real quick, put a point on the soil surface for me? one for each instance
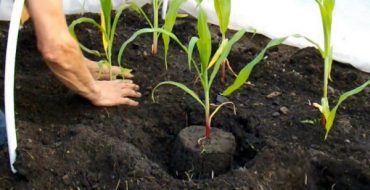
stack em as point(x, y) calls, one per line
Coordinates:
point(67, 143)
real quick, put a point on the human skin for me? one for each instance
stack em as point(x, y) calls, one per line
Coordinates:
point(64, 57)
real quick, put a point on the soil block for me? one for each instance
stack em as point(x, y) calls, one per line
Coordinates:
point(213, 157)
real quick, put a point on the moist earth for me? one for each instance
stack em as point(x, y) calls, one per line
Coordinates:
point(64, 142)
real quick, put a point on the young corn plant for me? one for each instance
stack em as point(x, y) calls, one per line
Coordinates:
point(108, 31)
point(223, 11)
point(165, 31)
point(203, 70)
point(169, 22)
point(156, 4)
point(328, 115)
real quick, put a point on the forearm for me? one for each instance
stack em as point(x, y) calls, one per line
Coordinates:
point(59, 49)
point(68, 64)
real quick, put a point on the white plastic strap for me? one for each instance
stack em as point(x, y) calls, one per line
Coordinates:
point(9, 80)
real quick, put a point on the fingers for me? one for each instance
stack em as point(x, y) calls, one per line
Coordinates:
point(117, 92)
point(129, 89)
point(105, 75)
point(102, 72)
point(126, 81)
point(105, 69)
point(121, 101)
point(128, 75)
point(128, 84)
point(128, 102)
point(131, 93)
point(117, 72)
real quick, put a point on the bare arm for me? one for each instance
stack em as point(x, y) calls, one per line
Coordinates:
point(65, 58)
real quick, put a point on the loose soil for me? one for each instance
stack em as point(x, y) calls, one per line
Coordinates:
point(66, 143)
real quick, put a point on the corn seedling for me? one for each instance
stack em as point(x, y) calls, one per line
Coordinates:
point(204, 46)
point(328, 115)
point(107, 29)
point(156, 4)
point(169, 22)
point(146, 31)
point(165, 31)
point(223, 11)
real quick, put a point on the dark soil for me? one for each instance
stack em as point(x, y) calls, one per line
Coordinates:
point(66, 143)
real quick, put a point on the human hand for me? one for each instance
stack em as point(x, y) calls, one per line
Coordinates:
point(116, 92)
point(101, 72)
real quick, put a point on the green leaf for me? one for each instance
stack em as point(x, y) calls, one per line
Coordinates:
point(116, 19)
point(125, 71)
point(169, 22)
point(81, 20)
point(246, 71)
point(135, 7)
point(100, 65)
point(223, 8)
point(190, 50)
point(326, 10)
point(106, 7)
point(182, 87)
point(218, 52)
point(237, 36)
point(316, 45)
point(114, 27)
point(191, 45)
point(218, 107)
point(342, 98)
point(204, 43)
point(324, 107)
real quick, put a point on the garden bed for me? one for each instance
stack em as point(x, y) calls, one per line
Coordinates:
point(65, 142)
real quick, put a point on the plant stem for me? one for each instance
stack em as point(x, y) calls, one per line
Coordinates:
point(326, 77)
point(208, 129)
point(207, 114)
point(155, 24)
point(109, 59)
point(207, 109)
point(327, 21)
point(223, 66)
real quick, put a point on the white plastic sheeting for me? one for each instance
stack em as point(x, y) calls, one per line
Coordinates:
point(351, 23)
point(81, 6)
point(272, 18)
